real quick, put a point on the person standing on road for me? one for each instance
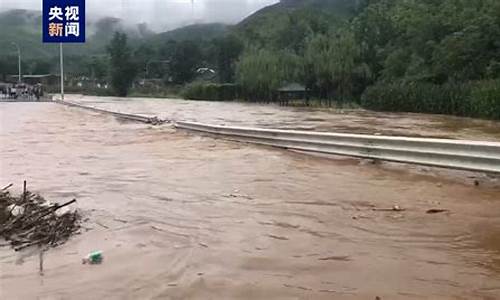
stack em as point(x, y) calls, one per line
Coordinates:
point(36, 92)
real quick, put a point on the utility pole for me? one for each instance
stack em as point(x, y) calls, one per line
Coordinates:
point(18, 61)
point(61, 62)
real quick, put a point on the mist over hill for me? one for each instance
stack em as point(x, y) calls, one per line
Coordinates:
point(160, 15)
point(23, 27)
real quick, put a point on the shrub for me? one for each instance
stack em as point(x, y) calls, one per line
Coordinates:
point(211, 92)
point(473, 99)
point(485, 99)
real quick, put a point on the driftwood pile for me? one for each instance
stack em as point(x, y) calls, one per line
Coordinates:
point(29, 220)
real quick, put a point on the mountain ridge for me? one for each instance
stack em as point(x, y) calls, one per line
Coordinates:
point(23, 27)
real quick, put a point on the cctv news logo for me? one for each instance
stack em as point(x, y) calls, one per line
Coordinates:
point(64, 21)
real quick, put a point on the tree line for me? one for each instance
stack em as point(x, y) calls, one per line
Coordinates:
point(392, 55)
point(434, 56)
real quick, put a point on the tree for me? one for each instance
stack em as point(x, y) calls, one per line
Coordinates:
point(8, 66)
point(122, 68)
point(41, 67)
point(228, 49)
point(261, 72)
point(186, 59)
point(333, 62)
point(144, 55)
point(97, 67)
point(167, 50)
point(374, 30)
point(257, 73)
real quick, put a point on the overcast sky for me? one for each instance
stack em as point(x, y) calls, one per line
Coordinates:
point(161, 14)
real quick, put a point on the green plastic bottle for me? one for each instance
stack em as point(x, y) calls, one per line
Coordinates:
point(93, 258)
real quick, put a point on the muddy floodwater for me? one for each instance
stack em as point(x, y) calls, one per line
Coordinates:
point(300, 118)
point(183, 216)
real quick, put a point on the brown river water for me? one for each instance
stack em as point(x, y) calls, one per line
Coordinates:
point(300, 118)
point(183, 216)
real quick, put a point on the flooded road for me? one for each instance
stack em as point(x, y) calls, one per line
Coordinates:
point(299, 118)
point(181, 216)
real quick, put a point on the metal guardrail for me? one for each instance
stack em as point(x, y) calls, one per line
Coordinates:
point(131, 117)
point(454, 154)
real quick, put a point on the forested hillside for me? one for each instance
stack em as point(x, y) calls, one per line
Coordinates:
point(195, 32)
point(23, 28)
point(402, 55)
point(435, 56)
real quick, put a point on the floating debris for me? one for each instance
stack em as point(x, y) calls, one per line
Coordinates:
point(338, 258)
point(436, 211)
point(29, 220)
point(157, 121)
point(93, 258)
point(394, 208)
point(276, 237)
